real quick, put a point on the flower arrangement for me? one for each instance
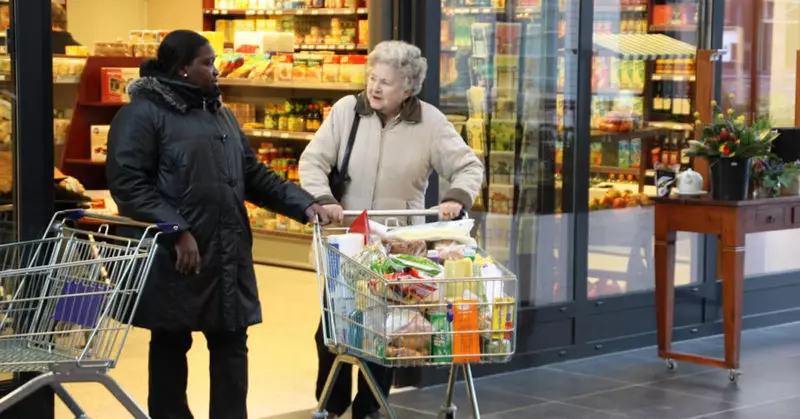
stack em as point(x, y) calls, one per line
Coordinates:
point(729, 136)
point(774, 175)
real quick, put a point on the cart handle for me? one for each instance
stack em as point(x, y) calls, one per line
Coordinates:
point(400, 213)
point(78, 214)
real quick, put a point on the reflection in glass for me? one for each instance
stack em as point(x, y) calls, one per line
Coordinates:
point(508, 85)
point(641, 116)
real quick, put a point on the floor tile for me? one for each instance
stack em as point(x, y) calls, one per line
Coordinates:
point(553, 410)
point(551, 384)
point(751, 388)
point(651, 403)
point(629, 368)
point(491, 399)
point(781, 409)
point(308, 414)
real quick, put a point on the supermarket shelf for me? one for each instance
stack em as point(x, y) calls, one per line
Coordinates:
point(282, 234)
point(673, 77)
point(103, 104)
point(476, 10)
point(67, 80)
point(614, 8)
point(85, 162)
point(640, 133)
point(346, 47)
point(612, 170)
point(285, 12)
point(615, 170)
point(284, 249)
point(301, 85)
point(283, 135)
point(612, 91)
point(674, 28)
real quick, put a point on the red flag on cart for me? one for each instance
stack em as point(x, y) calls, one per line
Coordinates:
point(361, 226)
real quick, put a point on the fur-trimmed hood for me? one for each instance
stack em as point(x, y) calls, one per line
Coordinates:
point(181, 97)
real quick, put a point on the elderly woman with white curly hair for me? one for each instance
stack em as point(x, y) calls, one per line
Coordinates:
point(385, 142)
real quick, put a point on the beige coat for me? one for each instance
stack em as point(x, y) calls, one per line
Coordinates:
point(390, 166)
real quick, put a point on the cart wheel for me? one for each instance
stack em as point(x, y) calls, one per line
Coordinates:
point(319, 415)
point(671, 364)
point(448, 412)
point(733, 375)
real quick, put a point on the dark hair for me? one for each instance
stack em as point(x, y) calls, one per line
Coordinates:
point(179, 49)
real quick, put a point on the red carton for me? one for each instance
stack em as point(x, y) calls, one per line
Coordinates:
point(114, 83)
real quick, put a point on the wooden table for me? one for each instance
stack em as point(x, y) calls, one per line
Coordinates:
point(731, 221)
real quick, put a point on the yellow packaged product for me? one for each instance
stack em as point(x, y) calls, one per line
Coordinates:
point(502, 315)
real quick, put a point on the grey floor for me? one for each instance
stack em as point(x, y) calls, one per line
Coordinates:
point(636, 385)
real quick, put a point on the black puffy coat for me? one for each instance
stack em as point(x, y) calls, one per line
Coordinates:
point(175, 157)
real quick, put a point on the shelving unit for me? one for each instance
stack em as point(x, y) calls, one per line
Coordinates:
point(285, 246)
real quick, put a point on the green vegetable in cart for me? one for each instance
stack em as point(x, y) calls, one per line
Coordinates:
point(419, 263)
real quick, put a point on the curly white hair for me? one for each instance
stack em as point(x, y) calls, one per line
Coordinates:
point(407, 59)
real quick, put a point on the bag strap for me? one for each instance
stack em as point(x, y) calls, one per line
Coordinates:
point(349, 148)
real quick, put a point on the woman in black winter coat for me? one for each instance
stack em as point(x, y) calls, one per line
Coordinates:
point(177, 155)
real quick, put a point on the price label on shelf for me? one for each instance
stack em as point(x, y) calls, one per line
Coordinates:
point(279, 12)
point(331, 11)
point(258, 133)
point(315, 12)
point(261, 12)
point(224, 12)
point(284, 135)
point(215, 12)
point(250, 13)
point(351, 47)
point(678, 78)
point(486, 10)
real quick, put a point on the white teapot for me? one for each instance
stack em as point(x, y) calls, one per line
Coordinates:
point(690, 182)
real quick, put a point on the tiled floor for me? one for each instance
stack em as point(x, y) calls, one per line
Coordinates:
point(636, 385)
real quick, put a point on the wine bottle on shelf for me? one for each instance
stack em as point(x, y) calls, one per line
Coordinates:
point(686, 159)
point(665, 151)
point(658, 98)
point(667, 106)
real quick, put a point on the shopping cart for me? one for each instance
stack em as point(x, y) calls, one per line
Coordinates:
point(449, 322)
point(67, 304)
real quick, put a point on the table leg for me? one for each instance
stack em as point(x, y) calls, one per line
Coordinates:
point(733, 252)
point(665, 282)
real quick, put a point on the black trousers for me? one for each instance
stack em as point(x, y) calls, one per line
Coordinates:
point(341, 393)
point(169, 373)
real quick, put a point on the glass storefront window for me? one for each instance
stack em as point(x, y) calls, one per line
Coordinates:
point(641, 116)
point(509, 86)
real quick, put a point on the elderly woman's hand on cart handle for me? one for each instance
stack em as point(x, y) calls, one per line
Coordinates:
point(335, 213)
point(450, 210)
point(320, 214)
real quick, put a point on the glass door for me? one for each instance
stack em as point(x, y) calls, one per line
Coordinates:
point(508, 85)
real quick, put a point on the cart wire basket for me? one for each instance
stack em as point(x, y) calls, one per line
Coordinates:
point(67, 303)
point(463, 315)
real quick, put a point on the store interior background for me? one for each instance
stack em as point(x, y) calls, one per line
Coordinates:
point(282, 353)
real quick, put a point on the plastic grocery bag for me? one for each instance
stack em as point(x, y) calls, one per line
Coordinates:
point(457, 231)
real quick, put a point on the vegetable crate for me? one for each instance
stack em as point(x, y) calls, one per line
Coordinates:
point(412, 310)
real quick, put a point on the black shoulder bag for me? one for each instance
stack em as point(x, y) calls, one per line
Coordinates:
point(338, 178)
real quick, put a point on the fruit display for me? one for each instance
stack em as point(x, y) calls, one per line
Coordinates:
point(620, 122)
point(616, 199)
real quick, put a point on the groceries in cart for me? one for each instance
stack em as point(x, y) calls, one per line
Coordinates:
point(419, 295)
